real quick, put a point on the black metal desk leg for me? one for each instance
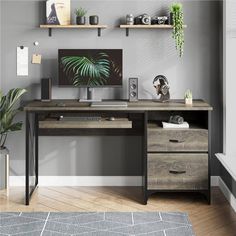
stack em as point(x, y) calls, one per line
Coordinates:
point(31, 161)
point(27, 128)
point(36, 150)
point(209, 158)
point(144, 157)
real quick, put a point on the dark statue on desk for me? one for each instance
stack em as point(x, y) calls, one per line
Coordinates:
point(161, 84)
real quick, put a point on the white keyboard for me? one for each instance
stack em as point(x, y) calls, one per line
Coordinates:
point(109, 104)
point(81, 118)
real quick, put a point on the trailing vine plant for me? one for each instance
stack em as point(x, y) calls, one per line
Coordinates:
point(178, 22)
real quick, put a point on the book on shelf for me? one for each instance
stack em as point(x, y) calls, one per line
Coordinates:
point(184, 125)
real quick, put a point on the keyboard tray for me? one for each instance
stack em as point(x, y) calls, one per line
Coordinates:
point(119, 123)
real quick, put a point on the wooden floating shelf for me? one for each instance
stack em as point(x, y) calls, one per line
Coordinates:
point(74, 26)
point(128, 27)
point(147, 26)
point(119, 123)
point(50, 27)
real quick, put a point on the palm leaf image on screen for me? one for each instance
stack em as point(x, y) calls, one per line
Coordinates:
point(90, 71)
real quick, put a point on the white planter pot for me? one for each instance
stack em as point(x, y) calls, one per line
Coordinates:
point(188, 101)
point(4, 154)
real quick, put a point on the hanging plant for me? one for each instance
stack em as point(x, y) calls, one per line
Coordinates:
point(176, 10)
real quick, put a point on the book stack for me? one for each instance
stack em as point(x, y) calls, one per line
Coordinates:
point(167, 125)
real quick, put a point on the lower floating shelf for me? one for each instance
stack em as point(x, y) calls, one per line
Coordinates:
point(50, 27)
point(128, 27)
point(147, 26)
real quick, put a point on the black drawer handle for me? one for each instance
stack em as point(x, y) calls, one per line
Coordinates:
point(176, 141)
point(177, 167)
point(177, 171)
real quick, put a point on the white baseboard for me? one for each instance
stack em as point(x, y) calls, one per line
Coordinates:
point(214, 181)
point(81, 180)
point(89, 181)
point(228, 195)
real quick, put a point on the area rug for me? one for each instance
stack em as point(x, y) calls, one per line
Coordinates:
point(95, 224)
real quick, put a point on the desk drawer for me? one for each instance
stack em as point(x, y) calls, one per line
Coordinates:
point(172, 140)
point(166, 171)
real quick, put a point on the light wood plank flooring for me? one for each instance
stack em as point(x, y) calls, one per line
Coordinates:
point(217, 219)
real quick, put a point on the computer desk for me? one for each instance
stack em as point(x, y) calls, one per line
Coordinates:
point(160, 148)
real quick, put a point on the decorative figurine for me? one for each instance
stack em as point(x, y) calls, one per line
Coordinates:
point(129, 19)
point(161, 84)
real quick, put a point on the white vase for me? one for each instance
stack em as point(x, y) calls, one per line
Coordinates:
point(188, 101)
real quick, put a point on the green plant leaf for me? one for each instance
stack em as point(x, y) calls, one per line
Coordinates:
point(7, 110)
point(94, 70)
point(80, 12)
point(15, 127)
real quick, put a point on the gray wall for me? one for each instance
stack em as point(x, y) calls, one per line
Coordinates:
point(228, 39)
point(146, 54)
point(228, 180)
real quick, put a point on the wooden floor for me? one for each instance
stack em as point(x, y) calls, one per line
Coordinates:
point(217, 219)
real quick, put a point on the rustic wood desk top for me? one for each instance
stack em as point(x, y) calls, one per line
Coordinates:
point(141, 105)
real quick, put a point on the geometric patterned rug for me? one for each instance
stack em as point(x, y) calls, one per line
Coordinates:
point(95, 224)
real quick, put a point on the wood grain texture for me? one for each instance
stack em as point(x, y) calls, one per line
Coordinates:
point(103, 124)
point(187, 140)
point(73, 26)
point(160, 178)
point(217, 219)
point(148, 26)
point(141, 105)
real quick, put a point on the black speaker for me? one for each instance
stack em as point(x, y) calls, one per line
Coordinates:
point(46, 90)
point(133, 89)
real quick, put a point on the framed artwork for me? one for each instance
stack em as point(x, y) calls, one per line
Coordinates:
point(58, 12)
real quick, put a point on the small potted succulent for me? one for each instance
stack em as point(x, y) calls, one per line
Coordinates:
point(188, 96)
point(177, 20)
point(80, 16)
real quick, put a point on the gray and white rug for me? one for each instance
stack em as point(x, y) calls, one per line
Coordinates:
point(95, 224)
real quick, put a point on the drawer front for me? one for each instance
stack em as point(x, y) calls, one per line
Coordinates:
point(180, 171)
point(172, 140)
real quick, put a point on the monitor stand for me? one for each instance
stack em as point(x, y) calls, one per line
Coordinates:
point(90, 96)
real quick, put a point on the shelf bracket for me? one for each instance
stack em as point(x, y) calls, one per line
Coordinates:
point(99, 32)
point(50, 32)
point(127, 32)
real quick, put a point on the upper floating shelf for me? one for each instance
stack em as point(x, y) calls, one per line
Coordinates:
point(127, 27)
point(50, 27)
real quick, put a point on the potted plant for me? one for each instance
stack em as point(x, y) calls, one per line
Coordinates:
point(188, 96)
point(7, 114)
point(177, 19)
point(80, 16)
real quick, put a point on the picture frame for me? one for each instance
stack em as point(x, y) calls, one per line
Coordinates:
point(58, 12)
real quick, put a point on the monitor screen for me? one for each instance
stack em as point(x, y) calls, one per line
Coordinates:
point(90, 67)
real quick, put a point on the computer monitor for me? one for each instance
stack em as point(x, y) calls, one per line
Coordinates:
point(90, 68)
